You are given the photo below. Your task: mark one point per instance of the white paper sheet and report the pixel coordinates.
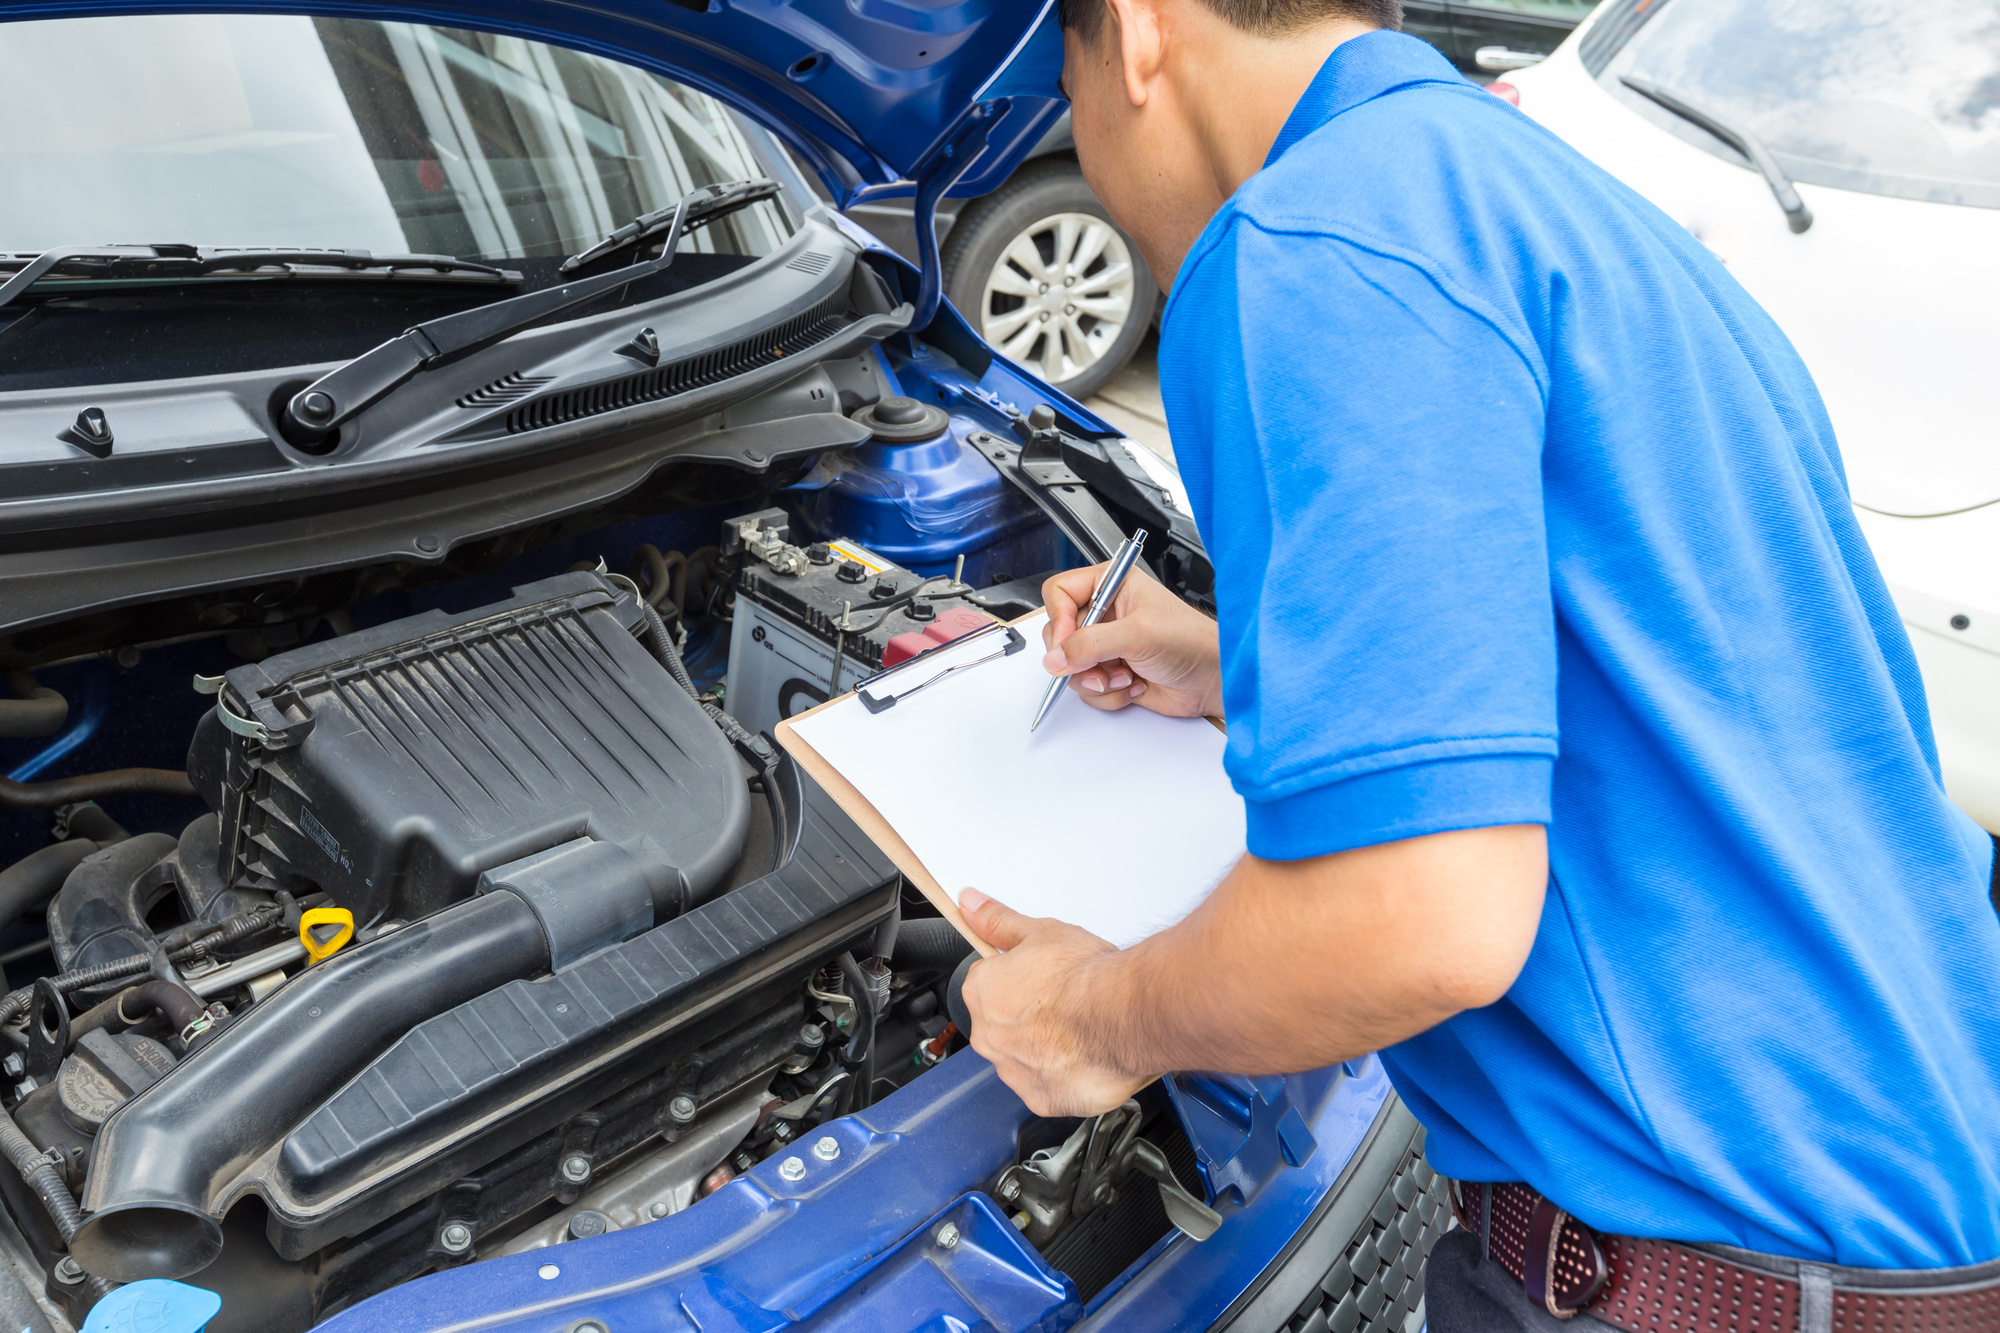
(1117, 822)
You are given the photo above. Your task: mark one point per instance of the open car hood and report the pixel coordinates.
(874, 94)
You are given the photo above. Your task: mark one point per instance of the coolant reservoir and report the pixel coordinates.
(920, 496)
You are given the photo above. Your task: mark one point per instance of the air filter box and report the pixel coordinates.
(393, 766)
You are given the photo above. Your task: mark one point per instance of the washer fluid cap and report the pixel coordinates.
(154, 1305)
(903, 420)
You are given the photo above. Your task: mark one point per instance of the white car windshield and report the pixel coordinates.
(1886, 96)
(265, 130)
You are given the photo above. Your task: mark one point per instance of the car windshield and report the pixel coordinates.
(265, 130)
(1879, 95)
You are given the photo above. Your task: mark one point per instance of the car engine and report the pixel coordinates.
(496, 935)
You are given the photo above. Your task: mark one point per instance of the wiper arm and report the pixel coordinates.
(318, 411)
(1797, 216)
(711, 203)
(94, 262)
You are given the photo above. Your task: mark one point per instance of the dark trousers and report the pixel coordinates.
(1464, 1293)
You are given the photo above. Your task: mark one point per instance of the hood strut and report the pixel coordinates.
(939, 171)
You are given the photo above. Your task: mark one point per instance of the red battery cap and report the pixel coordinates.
(949, 625)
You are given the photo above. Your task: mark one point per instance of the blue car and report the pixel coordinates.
(438, 443)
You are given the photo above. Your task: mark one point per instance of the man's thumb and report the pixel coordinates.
(999, 925)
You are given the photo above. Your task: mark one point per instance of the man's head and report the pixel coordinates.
(1174, 103)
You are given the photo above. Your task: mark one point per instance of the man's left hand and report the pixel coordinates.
(1034, 1011)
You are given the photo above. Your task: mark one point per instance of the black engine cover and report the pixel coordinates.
(392, 766)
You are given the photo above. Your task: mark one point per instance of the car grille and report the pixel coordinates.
(794, 335)
(1377, 1286)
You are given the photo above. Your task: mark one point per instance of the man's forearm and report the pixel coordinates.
(1295, 965)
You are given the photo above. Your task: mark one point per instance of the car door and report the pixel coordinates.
(1431, 20)
(1526, 27)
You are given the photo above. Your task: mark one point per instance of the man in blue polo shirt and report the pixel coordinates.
(1587, 767)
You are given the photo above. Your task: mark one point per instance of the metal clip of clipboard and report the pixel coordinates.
(878, 695)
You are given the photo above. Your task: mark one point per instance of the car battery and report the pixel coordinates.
(815, 621)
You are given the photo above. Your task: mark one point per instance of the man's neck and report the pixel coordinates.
(1238, 93)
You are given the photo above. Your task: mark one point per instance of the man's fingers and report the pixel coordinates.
(1065, 595)
(1101, 644)
(1104, 677)
(999, 925)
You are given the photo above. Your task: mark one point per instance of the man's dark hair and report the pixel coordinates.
(1267, 18)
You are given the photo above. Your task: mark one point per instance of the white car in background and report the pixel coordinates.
(1843, 158)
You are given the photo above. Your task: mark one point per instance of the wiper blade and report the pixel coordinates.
(85, 263)
(710, 203)
(1797, 216)
(317, 412)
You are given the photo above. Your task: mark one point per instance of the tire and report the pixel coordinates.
(1006, 253)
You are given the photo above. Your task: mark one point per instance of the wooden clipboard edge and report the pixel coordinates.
(863, 812)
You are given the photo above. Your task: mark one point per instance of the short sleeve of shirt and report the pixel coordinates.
(1363, 450)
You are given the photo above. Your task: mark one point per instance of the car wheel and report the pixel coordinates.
(1043, 275)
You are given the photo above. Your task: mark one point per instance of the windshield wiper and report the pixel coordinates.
(714, 202)
(318, 411)
(1797, 216)
(86, 263)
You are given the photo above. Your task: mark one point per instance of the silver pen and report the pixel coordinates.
(1122, 561)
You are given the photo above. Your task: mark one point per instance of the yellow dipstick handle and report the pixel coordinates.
(323, 946)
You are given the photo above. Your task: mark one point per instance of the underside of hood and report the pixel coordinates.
(872, 93)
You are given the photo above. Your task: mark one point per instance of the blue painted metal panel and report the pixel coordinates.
(918, 504)
(788, 1248)
(852, 1244)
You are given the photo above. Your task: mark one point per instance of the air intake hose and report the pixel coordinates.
(163, 1159)
(928, 944)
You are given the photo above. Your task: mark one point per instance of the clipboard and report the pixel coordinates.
(877, 694)
(941, 746)
(880, 691)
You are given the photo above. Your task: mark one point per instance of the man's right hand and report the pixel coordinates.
(1156, 651)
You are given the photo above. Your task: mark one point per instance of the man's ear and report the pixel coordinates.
(1142, 47)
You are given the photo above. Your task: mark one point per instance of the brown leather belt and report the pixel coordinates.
(1662, 1286)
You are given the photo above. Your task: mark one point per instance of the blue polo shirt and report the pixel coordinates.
(1522, 511)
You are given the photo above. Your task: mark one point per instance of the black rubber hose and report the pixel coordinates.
(35, 709)
(90, 820)
(36, 877)
(664, 571)
(40, 1175)
(954, 996)
(93, 786)
(177, 1003)
(864, 1004)
(928, 944)
(182, 944)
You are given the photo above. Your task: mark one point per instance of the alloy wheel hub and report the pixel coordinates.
(1060, 295)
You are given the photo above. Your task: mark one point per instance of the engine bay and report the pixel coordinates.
(425, 886)
(495, 935)
(495, 928)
